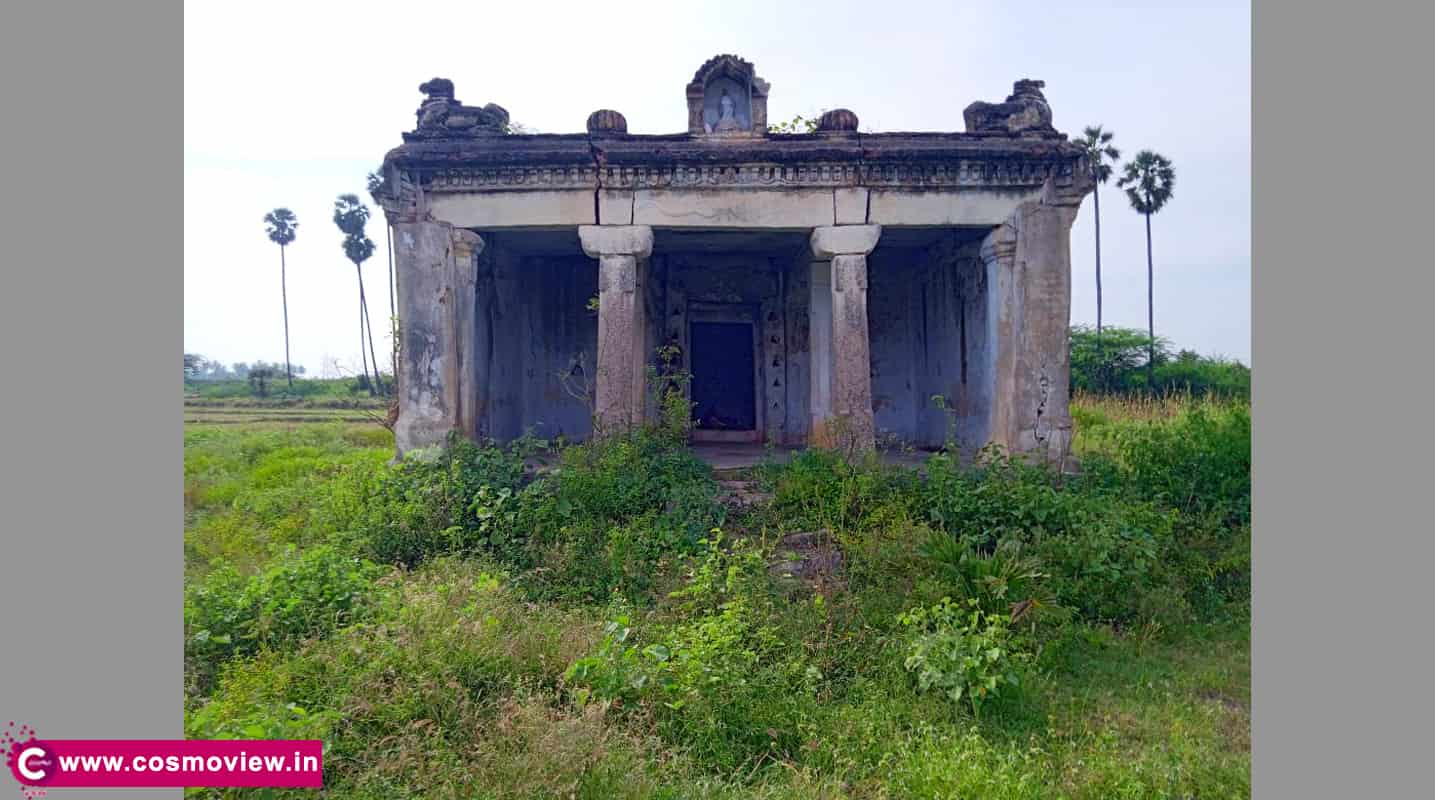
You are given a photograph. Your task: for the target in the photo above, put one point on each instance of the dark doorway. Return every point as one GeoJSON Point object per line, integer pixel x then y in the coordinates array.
{"type": "Point", "coordinates": [724, 385]}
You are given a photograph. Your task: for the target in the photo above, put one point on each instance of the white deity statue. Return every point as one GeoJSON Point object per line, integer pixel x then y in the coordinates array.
{"type": "Point", "coordinates": [726, 120]}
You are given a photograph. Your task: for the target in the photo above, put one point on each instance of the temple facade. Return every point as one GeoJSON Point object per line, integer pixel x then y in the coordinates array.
{"type": "Point", "coordinates": [832, 288]}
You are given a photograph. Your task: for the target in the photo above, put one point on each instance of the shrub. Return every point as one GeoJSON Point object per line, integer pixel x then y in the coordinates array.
{"type": "Point", "coordinates": [825, 489]}
{"type": "Point", "coordinates": [458, 499]}
{"type": "Point", "coordinates": [1103, 551]}
{"type": "Point", "coordinates": [298, 597]}
{"type": "Point", "coordinates": [1199, 461]}
{"type": "Point", "coordinates": [440, 653]}
{"type": "Point", "coordinates": [963, 653]}
{"type": "Point", "coordinates": [1008, 580]}
{"type": "Point", "coordinates": [616, 512]}
{"type": "Point", "coordinates": [721, 680]}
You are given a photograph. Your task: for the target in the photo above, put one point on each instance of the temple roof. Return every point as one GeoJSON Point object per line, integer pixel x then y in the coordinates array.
{"type": "Point", "coordinates": [469, 148]}
{"type": "Point", "coordinates": [682, 148]}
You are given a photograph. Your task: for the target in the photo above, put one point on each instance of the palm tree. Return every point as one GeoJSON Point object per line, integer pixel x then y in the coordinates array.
{"type": "Point", "coordinates": [350, 216]}
{"type": "Point", "coordinates": [282, 225]}
{"type": "Point", "coordinates": [1148, 181]}
{"type": "Point", "coordinates": [1101, 155]}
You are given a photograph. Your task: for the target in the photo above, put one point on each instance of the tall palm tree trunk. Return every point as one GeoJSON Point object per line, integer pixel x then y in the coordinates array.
{"type": "Point", "coordinates": [1100, 352]}
{"type": "Point", "coordinates": [1150, 314]}
{"type": "Point", "coordinates": [364, 305]}
{"type": "Point", "coordinates": [363, 354]}
{"type": "Point", "coordinates": [284, 293]}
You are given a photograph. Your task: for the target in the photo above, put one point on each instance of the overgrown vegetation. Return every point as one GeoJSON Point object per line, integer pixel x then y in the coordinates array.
{"type": "Point", "coordinates": [589, 621]}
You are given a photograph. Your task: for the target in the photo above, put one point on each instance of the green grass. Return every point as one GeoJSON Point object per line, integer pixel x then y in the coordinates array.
{"type": "Point", "coordinates": [454, 671]}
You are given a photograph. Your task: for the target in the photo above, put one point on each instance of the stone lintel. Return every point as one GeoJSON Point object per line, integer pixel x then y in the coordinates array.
{"type": "Point", "coordinates": [616, 240]}
{"type": "Point", "coordinates": [849, 206]}
{"type": "Point", "coordinates": [835, 240]}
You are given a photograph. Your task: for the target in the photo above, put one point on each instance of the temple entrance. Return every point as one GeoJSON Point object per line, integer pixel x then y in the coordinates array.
{"type": "Point", "coordinates": [724, 382]}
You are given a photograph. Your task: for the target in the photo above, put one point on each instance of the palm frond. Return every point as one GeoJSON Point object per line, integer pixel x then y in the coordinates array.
{"type": "Point", "coordinates": [1149, 180]}
{"type": "Point", "coordinates": [280, 225]}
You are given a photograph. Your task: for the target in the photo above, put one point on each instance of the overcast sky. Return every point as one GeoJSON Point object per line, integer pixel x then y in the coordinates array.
{"type": "Point", "coordinates": [292, 103]}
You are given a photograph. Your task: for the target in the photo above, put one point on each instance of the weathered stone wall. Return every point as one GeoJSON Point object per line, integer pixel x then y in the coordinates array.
{"type": "Point", "coordinates": [1028, 262]}
{"type": "Point", "coordinates": [895, 321]}
{"type": "Point", "coordinates": [533, 326]}
{"type": "Point", "coordinates": [797, 356]}
{"type": "Point", "coordinates": [928, 318]}
{"type": "Point", "coordinates": [437, 393]}
{"type": "Point", "coordinates": [974, 403]}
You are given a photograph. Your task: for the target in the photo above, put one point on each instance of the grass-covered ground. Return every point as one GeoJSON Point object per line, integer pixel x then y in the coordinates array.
{"type": "Point", "coordinates": [458, 627]}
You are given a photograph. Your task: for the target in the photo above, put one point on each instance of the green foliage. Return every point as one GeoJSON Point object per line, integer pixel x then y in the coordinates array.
{"type": "Point", "coordinates": [281, 225]}
{"type": "Point", "coordinates": [615, 511]}
{"type": "Point", "coordinates": [1118, 366]}
{"type": "Point", "coordinates": [721, 678]}
{"type": "Point", "coordinates": [1149, 180]}
{"type": "Point", "coordinates": [259, 380]}
{"type": "Point", "coordinates": [823, 489]}
{"type": "Point", "coordinates": [350, 215]}
{"type": "Point", "coordinates": [459, 499]}
{"type": "Point", "coordinates": [330, 392]}
{"type": "Point", "coordinates": [1006, 580]}
{"type": "Point", "coordinates": [1100, 153]}
{"type": "Point", "coordinates": [1200, 376]}
{"type": "Point", "coordinates": [964, 653]}
{"type": "Point", "coordinates": [616, 670]}
{"type": "Point", "coordinates": [798, 124]}
{"type": "Point", "coordinates": [485, 668]}
{"type": "Point", "coordinates": [1198, 462]}
{"type": "Point", "coordinates": [301, 595]}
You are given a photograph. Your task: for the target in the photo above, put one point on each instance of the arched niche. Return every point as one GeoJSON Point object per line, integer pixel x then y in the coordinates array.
{"type": "Point", "coordinates": [726, 97]}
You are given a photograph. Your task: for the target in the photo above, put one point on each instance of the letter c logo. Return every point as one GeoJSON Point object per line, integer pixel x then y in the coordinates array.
{"type": "Point", "coordinates": [22, 763]}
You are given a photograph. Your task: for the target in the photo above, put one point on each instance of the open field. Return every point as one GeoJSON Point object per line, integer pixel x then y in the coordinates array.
{"type": "Point", "coordinates": [232, 402]}
{"type": "Point", "coordinates": [617, 628]}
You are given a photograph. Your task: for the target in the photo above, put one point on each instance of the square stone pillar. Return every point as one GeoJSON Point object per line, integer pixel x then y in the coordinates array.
{"type": "Point", "coordinates": [1028, 263]}
{"type": "Point", "coordinates": [436, 267]}
{"type": "Point", "coordinates": [622, 252]}
{"type": "Point", "coordinates": [841, 393]}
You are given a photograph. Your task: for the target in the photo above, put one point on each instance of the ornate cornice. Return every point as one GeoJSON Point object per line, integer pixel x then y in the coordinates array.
{"type": "Point", "coordinates": [621, 161]}
{"type": "Point", "coordinates": [983, 173]}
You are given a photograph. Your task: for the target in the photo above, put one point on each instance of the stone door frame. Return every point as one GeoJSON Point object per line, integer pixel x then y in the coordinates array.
{"type": "Point", "coordinates": [740, 313]}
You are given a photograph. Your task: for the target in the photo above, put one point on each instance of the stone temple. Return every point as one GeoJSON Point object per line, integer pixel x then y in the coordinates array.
{"type": "Point", "coordinates": [833, 288]}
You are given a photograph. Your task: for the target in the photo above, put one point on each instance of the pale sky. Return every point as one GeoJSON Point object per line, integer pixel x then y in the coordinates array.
{"type": "Point", "coordinates": [292, 103]}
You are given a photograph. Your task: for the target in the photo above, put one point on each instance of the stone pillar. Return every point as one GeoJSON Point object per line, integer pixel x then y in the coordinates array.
{"type": "Point", "coordinates": [436, 266]}
{"type": "Point", "coordinates": [467, 246]}
{"type": "Point", "coordinates": [1028, 263]}
{"type": "Point", "coordinates": [622, 252]}
{"type": "Point", "coordinates": [841, 396]}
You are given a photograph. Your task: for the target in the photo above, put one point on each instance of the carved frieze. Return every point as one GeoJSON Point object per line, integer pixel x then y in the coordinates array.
{"type": "Point", "coordinates": [936, 175]}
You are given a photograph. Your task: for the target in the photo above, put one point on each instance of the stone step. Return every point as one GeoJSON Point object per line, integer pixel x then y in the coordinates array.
{"type": "Point", "coordinates": [741, 493]}
{"type": "Point", "coordinates": [805, 540]}
{"type": "Point", "coordinates": [807, 556]}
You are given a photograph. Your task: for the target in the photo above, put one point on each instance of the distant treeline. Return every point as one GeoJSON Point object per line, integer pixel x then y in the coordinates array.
{"type": "Point", "coordinates": [304, 388]}
{"type": "Point", "coordinates": [1118, 366]}
{"type": "Point", "coordinates": [198, 368]}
